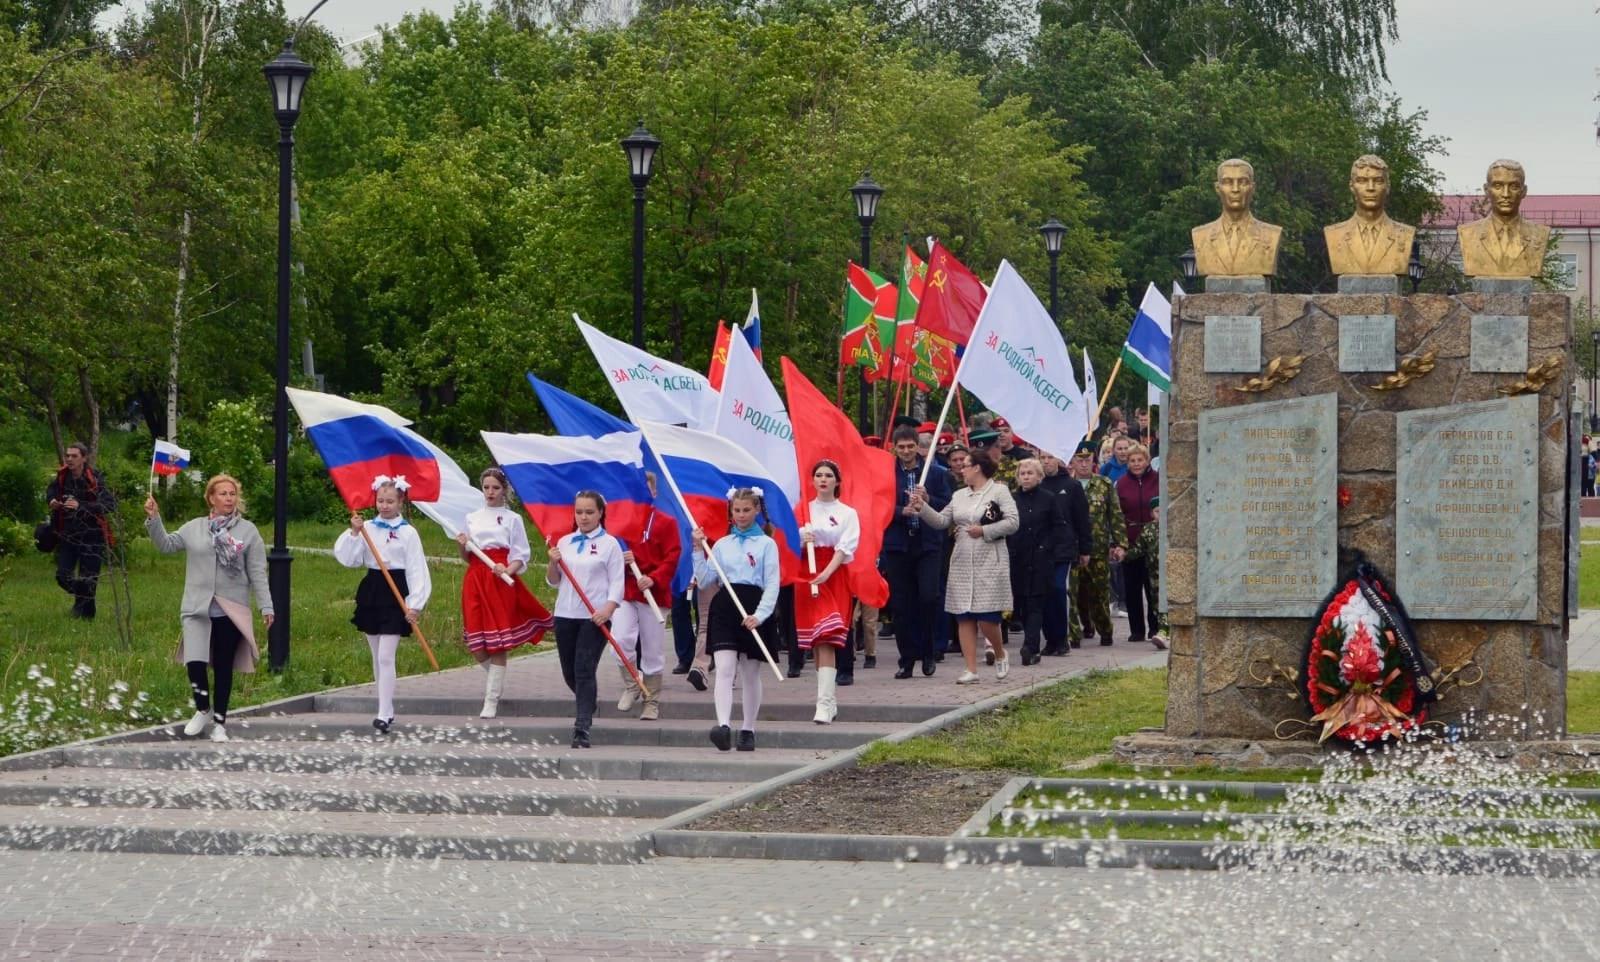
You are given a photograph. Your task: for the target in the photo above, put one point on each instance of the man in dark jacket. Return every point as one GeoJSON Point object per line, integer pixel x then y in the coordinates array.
{"type": "Point", "coordinates": [80, 507]}
{"type": "Point", "coordinates": [1075, 506]}
{"type": "Point", "coordinates": [911, 555]}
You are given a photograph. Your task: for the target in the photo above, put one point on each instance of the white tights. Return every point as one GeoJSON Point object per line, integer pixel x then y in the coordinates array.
{"type": "Point", "coordinates": [383, 648]}
{"type": "Point", "coordinates": [749, 670]}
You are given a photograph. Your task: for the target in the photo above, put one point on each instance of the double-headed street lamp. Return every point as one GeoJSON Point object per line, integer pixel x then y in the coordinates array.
{"type": "Point", "coordinates": [1054, 231]}
{"type": "Point", "coordinates": [641, 147]}
{"type": "Point", "coordinates": [866, 193]}
{"type": "Point", "coordinates": [286, 76]}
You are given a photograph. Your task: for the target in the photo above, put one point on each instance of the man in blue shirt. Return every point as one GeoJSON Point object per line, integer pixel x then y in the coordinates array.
{"type": "Point", "coordinates": [911, 556]}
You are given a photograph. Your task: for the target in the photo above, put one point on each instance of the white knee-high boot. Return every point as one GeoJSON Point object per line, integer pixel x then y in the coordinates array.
{"type": "Point", "coordinates": [827, 703]}
{"type": "Point", "coordinates": [492, 689]}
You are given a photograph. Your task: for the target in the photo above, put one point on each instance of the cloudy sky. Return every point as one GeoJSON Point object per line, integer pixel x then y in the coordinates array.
{"type": "Point", "coordinates": [1498, 79]}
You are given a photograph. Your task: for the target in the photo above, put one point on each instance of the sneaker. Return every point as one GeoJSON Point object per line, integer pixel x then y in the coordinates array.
{"type": "Point", "coordinates": [1002, 668]}
{"type": "Point", "coordinates": [747, 740]}
{"type": "Point", "coordinates": [697, 678]}
{"type": "Point", "coordinates": [1160, 645]}
{"type": "Point", "coordinates": [219, 732]}
{"type": "Point", "coordinates": [968, 678]}
{"type": "Point", "coordinates": [198, 724]}
{"type": "Point", "coordinates": [382, 725]}
{"type": "Point", "coordinates": [722, 737]}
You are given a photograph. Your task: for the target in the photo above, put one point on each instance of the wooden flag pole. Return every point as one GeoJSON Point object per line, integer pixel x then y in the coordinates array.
{"type": "Point", "coordinates": [654, 608]}
{"type": "Point", "coordinates": [1094, 422]}
{"type": "Point", "coordinates": [583, 597]}
{"type": "Point", "coordinates": [373, 547]}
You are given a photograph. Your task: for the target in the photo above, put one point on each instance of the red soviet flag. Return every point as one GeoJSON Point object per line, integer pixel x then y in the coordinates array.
{"type": "Point", "coordinates": [823, 431]}
{"type": "Point", "coordinates": [719, 357]}
{"type": "Point", "coordinates": [952, 296]}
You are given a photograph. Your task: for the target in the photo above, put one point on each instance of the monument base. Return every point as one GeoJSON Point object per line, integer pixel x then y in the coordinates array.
{"type": "Point", "coordinates": [1150, 747]}
{"type": "Point", "coordinates": [1502, 285]}
{"type": "Point", "coordinates": [1236, 284]}
{"type": "Point", "coordinates": [1369, 284]}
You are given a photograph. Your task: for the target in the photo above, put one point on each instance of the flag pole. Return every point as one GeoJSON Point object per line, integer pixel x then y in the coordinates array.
{"type": "Point", "coordinates": [584, 597]}
{"type": "Point", "coordinates": [387, 577]}
{"type": "Point", "coordinates": [1095, 421]}
{"type": "Point", "coordinates": [955, 391]}
{"type": "Point", "coordinates": [711, 556]}
{"type": "Point", "coordinates": [961, 412]}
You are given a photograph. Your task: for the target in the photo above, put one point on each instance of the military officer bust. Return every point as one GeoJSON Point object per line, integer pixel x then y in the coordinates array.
{"type": "Point", "coordinates": [1236, 244]}
{"type": "Point", "coordinates": [1369, 242]}
{"type": "Point", "coordinates": [1503, 244]}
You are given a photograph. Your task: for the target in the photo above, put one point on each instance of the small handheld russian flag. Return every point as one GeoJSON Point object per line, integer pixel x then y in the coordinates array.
{"type": "Point", "coordinates": [169, 459]}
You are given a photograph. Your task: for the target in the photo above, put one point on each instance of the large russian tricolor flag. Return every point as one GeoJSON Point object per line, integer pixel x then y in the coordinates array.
{"type": "Point", "coordinates": [547, 472]}
{"type": "Point", "coordinates": [704, 466]}
{"type": "Point", "coordinates": [360, 441]}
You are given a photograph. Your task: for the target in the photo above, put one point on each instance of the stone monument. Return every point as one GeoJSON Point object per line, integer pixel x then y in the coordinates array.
{"type": "Point", "coordinates": [1447, 468]}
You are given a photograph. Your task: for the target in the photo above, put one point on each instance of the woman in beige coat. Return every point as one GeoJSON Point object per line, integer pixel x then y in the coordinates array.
{"type": "Point", "coordinates": [979, 586]}
{"type": "Point", "coordinates": [227, 561]}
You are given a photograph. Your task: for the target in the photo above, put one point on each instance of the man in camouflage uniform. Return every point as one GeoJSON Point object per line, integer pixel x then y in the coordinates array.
{"type": "Point", "coordinates": [1148, 547]}
{"type": "Point", "coordinates": [1091, 585]}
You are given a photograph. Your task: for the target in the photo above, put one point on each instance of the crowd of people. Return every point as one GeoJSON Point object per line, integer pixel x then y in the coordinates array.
{"type": "Point", "coordinates": [987, 539]}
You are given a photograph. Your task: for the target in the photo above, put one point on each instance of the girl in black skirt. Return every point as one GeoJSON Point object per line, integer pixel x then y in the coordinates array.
{"type": "Point", "coordinates": [749, 557]}
{"type": "Point", "coordinates": [378, 614]}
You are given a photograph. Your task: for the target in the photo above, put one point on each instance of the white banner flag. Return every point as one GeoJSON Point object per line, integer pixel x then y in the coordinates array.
{"type": "Point", "coordinates": [1018, 365]}
{"type": "Point", "coordinates": [751, 414]}
{"type": "Point", "coordinates": [652, 389]}
{"type": "Point", "coordinates": [1091, 390]}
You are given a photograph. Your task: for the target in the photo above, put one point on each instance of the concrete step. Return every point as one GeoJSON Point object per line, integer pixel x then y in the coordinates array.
{"type": "Point", "coordinates": [637, 763]}
{"type": "Point", "coordinates": [679, 702]}
{"type": "Point", "coordinates": [333, 834]}
{"type": "Point", "coordinates": [354, 728]}
{"type": "Point", "coordinates": [344, 792]}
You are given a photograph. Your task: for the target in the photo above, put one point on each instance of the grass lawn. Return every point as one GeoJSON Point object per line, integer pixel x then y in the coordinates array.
{"type": "Point", "coordinates": [59, 701]}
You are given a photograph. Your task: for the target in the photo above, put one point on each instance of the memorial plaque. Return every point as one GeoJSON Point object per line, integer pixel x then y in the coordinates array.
{"type": "Point", "coordinates": [1233, 344]}
{"type": "Point", "coordinates": [1499, 343]}
{"type": "Point", "coordinates": [1366, 342]}
{"type": "Point", "coordinates": [1268, 508]}
{"type": "Point", "coordinates": [1467, 510]}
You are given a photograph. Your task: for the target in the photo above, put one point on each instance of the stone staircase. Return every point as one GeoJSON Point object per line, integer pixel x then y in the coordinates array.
{"type": "Point", "coordinates": [442, 784]}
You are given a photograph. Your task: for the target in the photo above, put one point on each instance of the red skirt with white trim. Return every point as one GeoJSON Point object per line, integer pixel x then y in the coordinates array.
{"type": "Point", "coordinates": [496, 616]}
{"type": "Point", "coordinates": [825, 619]}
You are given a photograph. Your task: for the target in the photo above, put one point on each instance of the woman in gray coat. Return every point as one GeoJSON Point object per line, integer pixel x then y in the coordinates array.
{"type": "Point", "coordinates": [979, 585]}
{"type": "Point", "coordinates": [227, 560]}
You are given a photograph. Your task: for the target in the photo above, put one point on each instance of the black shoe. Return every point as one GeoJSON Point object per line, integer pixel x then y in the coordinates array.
{"type": "Point", "coordinates": [682, 668]}
{"type": "Point", "coordinates": [1079, 643]}
{"type": "Point", "coordinates": [1029, 658]}
{"type": "Point", "coordinates": [885, 631]}
{"type": "Point", "coordinates": [988, 656]}
{"type": "Point", "coordinates": [580, 738]}
{"type": "Point", "coordinates": [1056, 651]}
{"type": "Point", "coordinates": [871, 661]}
{"type": "Point", "coordinates": [1089, 635]}
{"type": "Point", "coordinates": [382, 725]}
{"type": "Point", "coordinates": [697, 678]}
{"type": "Point", "coordinates": [928, 667]}
{"type": "Point", "coordinates": [794, 671]}
{"type": "Point", "coordinates": [747, 740]}
{"type": "Point", "coordinates": [904, 672]}
{"type": "Point", "coordinates": [722, 737]}
{"type": "Point", "coordinates": [844, 681]}
{"type": "Point", "coordinates": [1105, 642]}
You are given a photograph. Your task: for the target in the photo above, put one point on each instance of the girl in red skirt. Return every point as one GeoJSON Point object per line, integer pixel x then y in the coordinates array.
{"type": "Point", "coordinates": [497, 617]}
{"type": "Point", "coordinates": [822, 611]}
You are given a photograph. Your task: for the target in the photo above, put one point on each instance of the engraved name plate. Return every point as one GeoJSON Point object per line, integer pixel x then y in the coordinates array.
{"type": "Point", "coordinates": [1268, 507]}
{"type": "Point", "coordinates": [1467, 510]}
{"type": "Point", "coordinates": [1366, 342]}
{"type": "Point", "coordinates": [1233, 344]}
{"type": "Point", "coordinates": [1499, 343]}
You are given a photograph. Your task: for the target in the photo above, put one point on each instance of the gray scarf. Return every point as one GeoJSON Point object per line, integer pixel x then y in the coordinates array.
{"type": "Point", "coordinates": [229, 550]}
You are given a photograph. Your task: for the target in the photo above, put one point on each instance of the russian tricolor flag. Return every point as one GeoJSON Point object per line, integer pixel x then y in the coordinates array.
{"type": "Point", "coordinates": [547, 472]}
{"type": "Point", "coordinates": [360, 441]}
{"type": "Point", "coordinates": [169, 459]}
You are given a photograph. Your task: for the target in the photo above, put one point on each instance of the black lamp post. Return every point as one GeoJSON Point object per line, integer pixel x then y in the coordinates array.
{"type": "Point", "coordinates": [1414, 268]}
{"type": "Point", "coordinates": [1189, 264]}
{"type": "Point", "coordinates": [1594, 372]}
{"type": "Point", "coordinates": [641, 147]}
{"type": "Point", "coordinates": [1053, 231]}
{"type": "Point", "coordinates": [286, 76]}
{"type": "Point", "coordinates": [866, 192]}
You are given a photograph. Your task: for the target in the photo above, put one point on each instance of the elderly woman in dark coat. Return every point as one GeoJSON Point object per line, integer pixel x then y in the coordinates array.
{"type": "Point", "coordinates": [1042, 541]}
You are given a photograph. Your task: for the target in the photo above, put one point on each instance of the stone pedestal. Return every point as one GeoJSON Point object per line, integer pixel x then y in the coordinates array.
{"type": "Point", "coordinates": [1236, 284]}
{"type": "Point", "coordinates": [1227, 673]}
{"type": "Point", "coordinates": [1369, 284]}
{"type": "Point", "coordinates": [1502, 285]}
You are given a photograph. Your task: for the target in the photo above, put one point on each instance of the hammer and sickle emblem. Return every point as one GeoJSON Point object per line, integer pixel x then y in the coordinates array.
{"type": "Point", "coordinates": [938, 279]}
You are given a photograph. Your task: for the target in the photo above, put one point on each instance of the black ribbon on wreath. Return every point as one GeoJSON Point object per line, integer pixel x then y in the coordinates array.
{"type": "Point", "coordinates": [1397, 628]}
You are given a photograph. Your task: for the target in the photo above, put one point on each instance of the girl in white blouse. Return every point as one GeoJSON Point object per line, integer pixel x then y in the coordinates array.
{"type": "Point", "coordinates": [496, 616]}
{"type": "Point", "coordinates": [822, 610]}
{"type": "Point", "coordinates": [379, 616]}
{"type": "Point", "coordinates": [749, 558]}
{"type": "Point", "coordinates": [592, 561]}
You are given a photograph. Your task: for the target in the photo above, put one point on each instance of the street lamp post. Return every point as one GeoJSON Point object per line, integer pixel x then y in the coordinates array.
{"type": "Point", "coordinates": [641, 147]}
{"type": "Point", "coordinates": [1594, 372]}
{"type": "Point", "coordinates": [1053, 231]}
{"type": "Point", "coordinates": [1189, 264]}
{"type": "Point", "coordinates": [1414, 268]}
{"type": "Point", "coordinates": [286, 76]}
{"type": "Point", "coordinates": [866, 193]}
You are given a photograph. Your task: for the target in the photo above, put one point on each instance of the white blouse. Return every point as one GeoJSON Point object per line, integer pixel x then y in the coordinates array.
{"type": "Point", "coordinates": [835, 525]}
{"type": "Point", "coordinates": [596, 565]}
{"type": "Point", "coordinates": [401, 548]}
{"type": "Point", "coordinates": [500, 528]}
